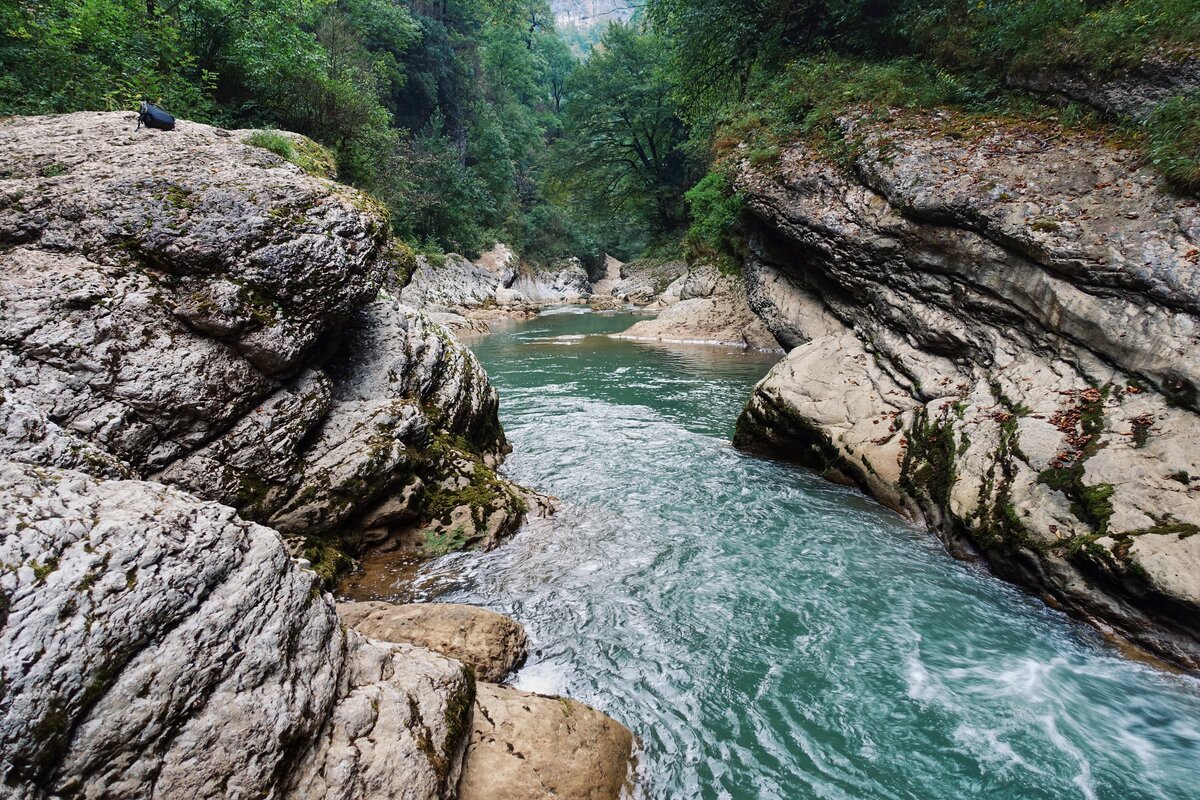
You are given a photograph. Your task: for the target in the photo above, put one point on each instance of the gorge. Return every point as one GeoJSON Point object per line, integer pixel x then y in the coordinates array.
{"type": "Point", "coordinates": [478, 400]}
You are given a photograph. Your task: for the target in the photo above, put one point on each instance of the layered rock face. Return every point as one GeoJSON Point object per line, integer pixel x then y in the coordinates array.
{"type": "Point", "coordinates": [705, 307]}
{"type": "Point", "coordinates": [189, 308]}
{"type": "Point", "coordinates": [993, 329]}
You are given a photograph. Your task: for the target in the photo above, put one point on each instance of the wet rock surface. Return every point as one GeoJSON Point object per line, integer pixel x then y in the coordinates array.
{"type": "Point", "coordinates": [996, 334]}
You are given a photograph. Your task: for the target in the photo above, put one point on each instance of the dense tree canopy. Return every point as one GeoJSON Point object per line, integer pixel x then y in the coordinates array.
{"type": "Point", "coordinates": [475, 120]}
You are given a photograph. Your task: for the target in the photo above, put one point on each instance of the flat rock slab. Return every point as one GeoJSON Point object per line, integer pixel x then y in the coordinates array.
{"type": "Point", "coordinates": [490, 643]}
{"type": "Point", "coordinates": [527, 747]}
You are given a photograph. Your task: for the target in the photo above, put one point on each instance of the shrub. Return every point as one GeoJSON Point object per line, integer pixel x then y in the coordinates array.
{"type": "Point", "coordinates": [715, 210]}
{"type": "Point", "coordinates": [1174, 141]}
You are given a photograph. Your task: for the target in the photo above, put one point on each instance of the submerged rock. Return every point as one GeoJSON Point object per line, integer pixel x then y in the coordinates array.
{"type": "Point", "coordinates": [527, 746]}
{"type": "Point", "coordinates": [490, 643]}
{"type": "Point", "coordinates": [997, 335]}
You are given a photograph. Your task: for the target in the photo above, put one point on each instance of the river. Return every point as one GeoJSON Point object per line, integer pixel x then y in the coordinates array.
{"type": "Point", "coordinates": [770, 635]}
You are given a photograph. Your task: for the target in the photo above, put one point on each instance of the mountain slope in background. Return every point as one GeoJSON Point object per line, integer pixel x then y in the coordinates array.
{"type": "Point", "coordinates": [585, 13]}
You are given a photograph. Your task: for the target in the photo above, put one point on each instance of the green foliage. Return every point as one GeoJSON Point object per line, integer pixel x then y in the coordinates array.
{"type": "Point", "coordinates": [1026, 36]}
{"type": "Point", "coordinates": [622, 154]}
{"type": "Point", "coordinates": [277, 143]}
{"type": "Point", "coordinates": [715, 210]}
{"type": "Point", "coordinates": [788, 69]}
{"type": "Point", "coordinates": [442, 110]}
{"type": "Point", "coordinates": [1174, 141]}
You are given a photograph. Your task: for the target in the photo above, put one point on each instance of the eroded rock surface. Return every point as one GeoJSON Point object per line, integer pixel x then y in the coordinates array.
{"type": "Point", "coordinates": [152, 644]}
{"type": "Point", "coordinates": [996, 334]}
{"type": "Point", "coordinates": [1134, 92]}
{"type": "Point", "coordinates": [492, 644]}
{"type": "Point", "coordinates": [193, 309]}
{"type": "Point", "coordinates": [705, 307]}
{"type": "Point", "coordinates": [527, 747]}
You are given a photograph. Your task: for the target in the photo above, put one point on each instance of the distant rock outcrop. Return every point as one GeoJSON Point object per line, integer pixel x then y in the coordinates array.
{"type": "Point", "coordinates": [705, 307]}
{"type": "Point", "coordinates": [996, 332]}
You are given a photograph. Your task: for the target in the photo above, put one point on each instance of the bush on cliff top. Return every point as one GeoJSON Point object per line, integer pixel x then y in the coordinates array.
{"type": "Point", "coordinates": [1174, 141]}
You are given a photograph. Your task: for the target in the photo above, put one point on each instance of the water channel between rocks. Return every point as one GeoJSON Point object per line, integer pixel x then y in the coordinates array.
{"type": "Point", "coordinates": [767, 634]}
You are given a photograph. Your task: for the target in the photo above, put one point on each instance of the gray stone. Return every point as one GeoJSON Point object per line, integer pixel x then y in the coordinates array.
{"type": "Point", "coordinates": [492, 644]}
{"type": "Point", "coordinates": [155, 645]}
{"type": "Point", "coordinates": [997, 336]}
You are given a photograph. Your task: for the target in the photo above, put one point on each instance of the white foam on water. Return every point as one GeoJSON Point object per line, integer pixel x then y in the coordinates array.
{"type": "Point", "coordinates": [986, 745]}
{"type": "Point", "coordinates": [555, 311]}
{"type": "Point", "coordinates": [921, 685]}
{"type": "Point", "coordinates": [543, 677]}
{"type": "Point", "coordinates": [1084, 779]}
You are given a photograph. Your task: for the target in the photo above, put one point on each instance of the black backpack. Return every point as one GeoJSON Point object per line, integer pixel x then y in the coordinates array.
{"type": "Point", "coordinates": [154, 117]}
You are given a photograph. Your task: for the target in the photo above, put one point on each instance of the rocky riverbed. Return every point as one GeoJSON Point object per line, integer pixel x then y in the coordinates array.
{"type": "Point", "coordinates": [210, 405]}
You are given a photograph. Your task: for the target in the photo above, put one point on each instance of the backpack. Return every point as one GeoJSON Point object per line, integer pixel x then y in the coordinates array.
{"type": "Point", "coordinates": [154, 117]}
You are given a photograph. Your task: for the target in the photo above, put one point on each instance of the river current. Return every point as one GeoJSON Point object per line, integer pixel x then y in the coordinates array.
{"type": "Point", "coordinates": [768, 634]}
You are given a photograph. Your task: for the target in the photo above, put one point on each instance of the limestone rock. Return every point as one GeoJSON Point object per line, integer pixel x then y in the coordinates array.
{"type": "Point", "coordinates": [195, 309]}
{"type": "Point", "coordinates": [449, 282]}
{"type": "Point", "coordinates": [563, 282]}
{"type": "Point", "coordinates": [501, 261]}
{"type": "Point", "coordinates": [527, 747]}
{"type": "Point", "coordinates": [610, 275]}
{"type": "Point", "coordinates": [1133, 92]}
{"type": "Point", "coordinates": [152, 644]}
{"type": "Point", "coordinates": [996, 335]}
{"type": "Point", "coordinates": [708, 309]}
{"type": "Point", "coordinates": [492, 644]}
{"type": "Point", "coordinates": [227, 238]}
{"type": "Point", "coordinates": [643, 281]}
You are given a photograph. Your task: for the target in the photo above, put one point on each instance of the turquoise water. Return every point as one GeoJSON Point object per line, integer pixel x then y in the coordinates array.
{"type": "Point", "coordinates": [770, 635]}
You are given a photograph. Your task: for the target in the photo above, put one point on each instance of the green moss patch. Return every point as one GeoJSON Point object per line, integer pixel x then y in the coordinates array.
{"type": "Point", "coordinates": [303, 152]}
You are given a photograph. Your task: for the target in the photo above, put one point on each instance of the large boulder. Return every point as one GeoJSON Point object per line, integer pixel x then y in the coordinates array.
{"type": "Point", "coordinates": [997, 335]}
{"type": "Point", "coordinates": [156, 645]}
{"type": "Point", "coordinates": [189, 307]}
{"type": "Point", "coordinates": [492, 644]}
{"type": "Point", "coordinates": [527, 746]}
{"type": "Point", "coordinates": [449, 282]}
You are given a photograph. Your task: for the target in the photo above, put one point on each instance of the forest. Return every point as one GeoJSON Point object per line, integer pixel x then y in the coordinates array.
{"type": "Point", "coordinates": [478, 121]}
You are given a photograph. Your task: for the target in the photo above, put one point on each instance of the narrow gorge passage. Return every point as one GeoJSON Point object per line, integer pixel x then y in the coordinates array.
{"type": "Point", "coordinates": [770, 635]}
